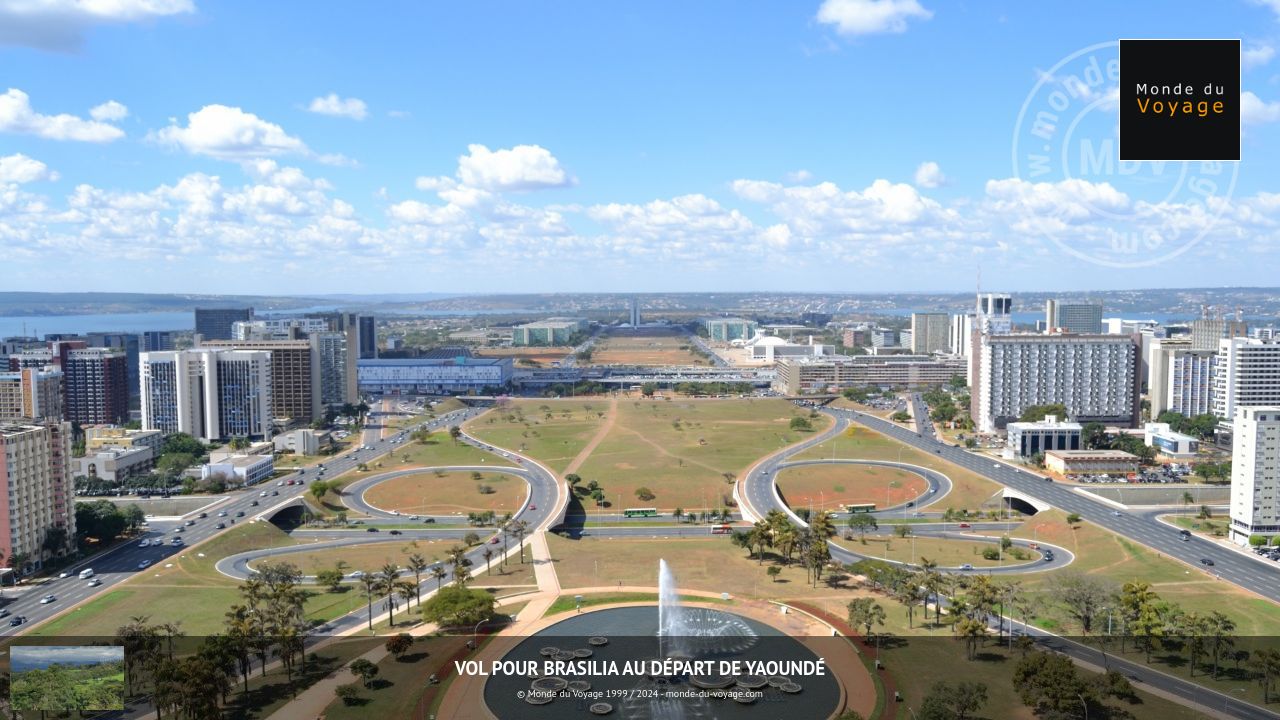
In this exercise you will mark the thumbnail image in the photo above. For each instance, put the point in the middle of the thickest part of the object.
(61, 678)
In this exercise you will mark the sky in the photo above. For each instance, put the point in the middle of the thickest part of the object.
(27, 657)
(812, 145)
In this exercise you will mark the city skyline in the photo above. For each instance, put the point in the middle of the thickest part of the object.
(734, 147)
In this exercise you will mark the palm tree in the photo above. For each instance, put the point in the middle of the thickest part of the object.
(417, 564)
(909, 594)
(519, 528)
(387, 578)
(370, 583)
(823, 523)
(407, 591)
(439, 573)
(488, 555)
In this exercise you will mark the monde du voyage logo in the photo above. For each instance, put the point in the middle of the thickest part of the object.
(1180, 100)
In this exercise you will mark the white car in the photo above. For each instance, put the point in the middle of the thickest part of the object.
(144, 564)
(47, 599)
(144, 543)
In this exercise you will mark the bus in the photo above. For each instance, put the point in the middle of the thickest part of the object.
(861, 508)
(721, 529)
(640, 512)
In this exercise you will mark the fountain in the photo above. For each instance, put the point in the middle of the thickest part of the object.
(673, 626)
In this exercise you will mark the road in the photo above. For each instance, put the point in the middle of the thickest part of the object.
(121, 563)
(702, 345)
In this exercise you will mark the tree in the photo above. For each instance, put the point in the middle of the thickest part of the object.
(865, 612)
(1093, 435)
(801, 424)
(455, 433)
(399, 644)
(573, 479)
(773, 571)
(331, 579)
(439, 573)
(901, 416)
(1220, 637)
(1051, 686)
(458, 607)
(1036, 413)
(823, 524)
(417, 564)
(1073, 518)
(1266, 663)
(348, 693)
(946, 701)
(182, 443)
(364, 670)
(1139, 606)
(862, 523)
(370, 583)
(320, 488)
(1082, 597)
(645, 494)
(518, 529)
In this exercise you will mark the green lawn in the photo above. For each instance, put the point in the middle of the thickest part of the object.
(552, 431)
(688, 451)
(970, 489)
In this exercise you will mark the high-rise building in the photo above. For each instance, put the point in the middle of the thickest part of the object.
(930, 333)
(31, 394)
(635, 312)
(1255, 473)
(1083, 318)
(36, 497)
(157, 341)
(330, 351)
(960, 334)
(348, 324)
(992, 315)
(215, 323)
(210, 393)
(1247, 375)
(295, 377)
(1180, 379)
(128, 343)
(95, 385)
(368, 337)
(556, 331)
(1094, 376)
(884, 337)
(281, 328)
(1206, 332)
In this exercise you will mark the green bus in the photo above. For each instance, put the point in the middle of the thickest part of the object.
(861, 508)
(640, 512)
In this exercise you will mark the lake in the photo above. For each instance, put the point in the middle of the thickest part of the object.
(39, 326)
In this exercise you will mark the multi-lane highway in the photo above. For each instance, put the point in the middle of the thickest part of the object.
(121, 563)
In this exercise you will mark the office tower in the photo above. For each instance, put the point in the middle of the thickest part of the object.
(1206, 332)
(209, 393)
(1094, 376)
(368, 337)
(31, 394)
(1083, 318)
(215, 323)
(884, 337)
(959, 334)
(1180, 379)
(1247, 375)
(37, 496)
(348, 324)
(96, 386)
(930, 333)
(635, 312)
(1255, 473)
(295, 377)
(992, 315)
(157, 341)
(330, 351)
(129, 344)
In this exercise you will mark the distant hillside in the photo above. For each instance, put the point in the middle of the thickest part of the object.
(39, 303)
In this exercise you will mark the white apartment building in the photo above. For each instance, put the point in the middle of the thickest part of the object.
(1094, 376)
(212, 394)
(1247, 375)
(37, 490)
(1180, 379)
(960, 334)
(1255, 473)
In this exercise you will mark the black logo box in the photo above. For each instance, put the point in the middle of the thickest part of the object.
(1187, 69)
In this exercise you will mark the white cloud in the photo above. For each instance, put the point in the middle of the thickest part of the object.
(1256, 56)
(333, 105)
(1274, 5)
(1065, 201)
(929, 175)
(20, 169)
(230, 133)
(523, 167)
(798, 176)
(1256, 111)
(868, 17)
(109, 111)
(60, 24)
(17, 116)
(420, 213)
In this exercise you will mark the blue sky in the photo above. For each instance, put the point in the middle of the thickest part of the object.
(853, 145)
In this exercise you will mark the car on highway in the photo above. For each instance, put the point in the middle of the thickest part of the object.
(262, 494)
(17, 620)
(203, 515)
(179, 529)
(144, 564)
(1117, 513)
(176, 542)
(95, 582)
(239, 513)
(532, 506)
(372, 529)
(279, 483)
(393, 532)
(495, 540)
(189, 523)
(1206, 562)
(964, 526)
(64, 574)
(253, 503)
(275, 493)
(966, 566)
(4, 613)
(222, 513)
(48, 599)
(220, 526)
(144, 543)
